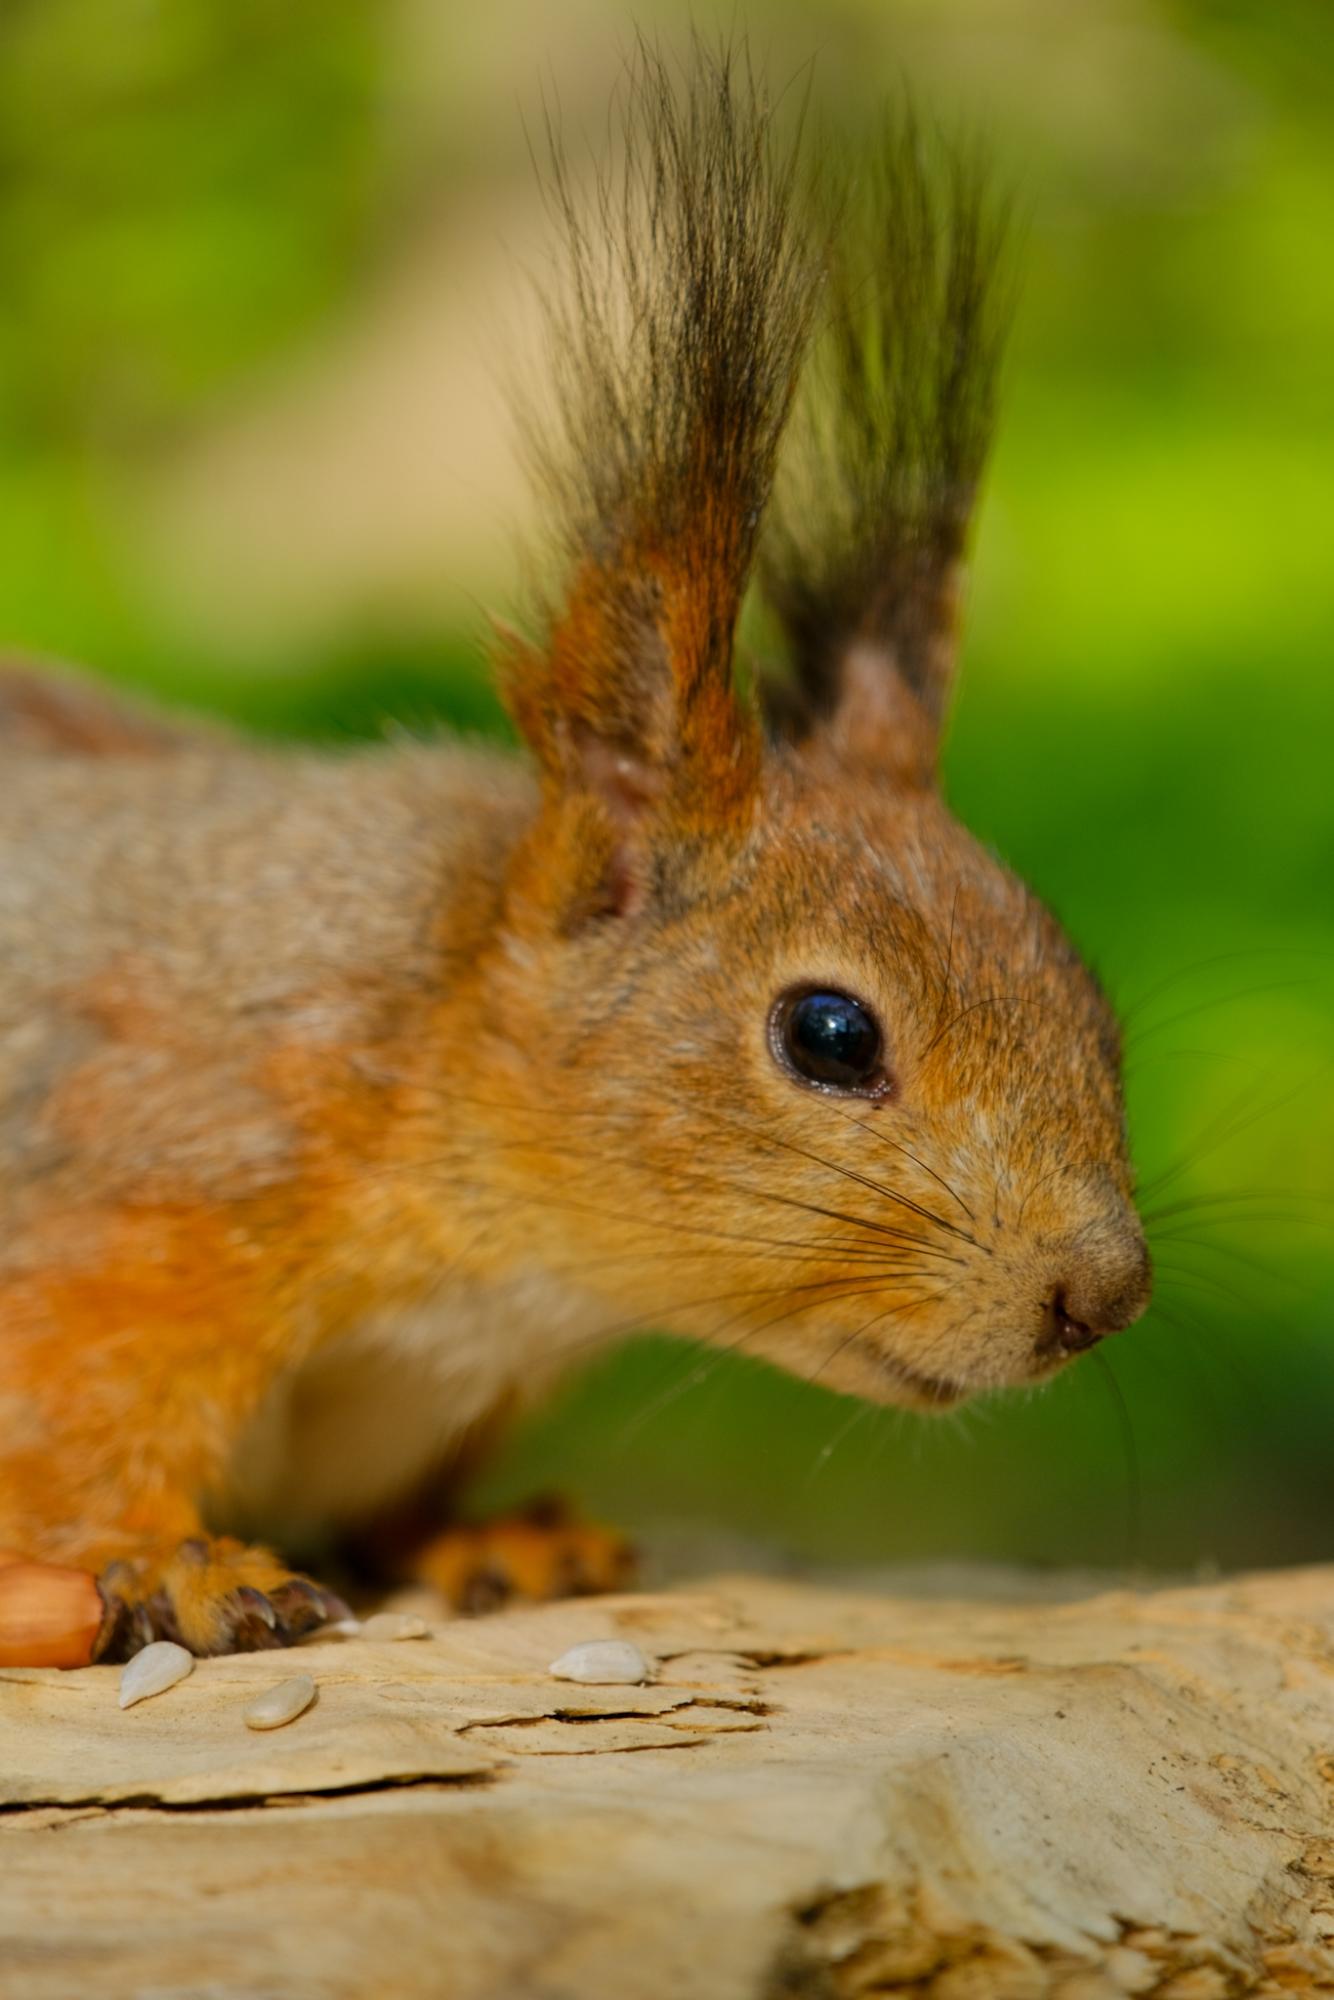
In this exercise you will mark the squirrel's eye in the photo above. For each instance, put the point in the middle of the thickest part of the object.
(831, 1040)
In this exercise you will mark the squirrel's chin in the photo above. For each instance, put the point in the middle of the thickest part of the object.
(929, 1396)
(913, 1389)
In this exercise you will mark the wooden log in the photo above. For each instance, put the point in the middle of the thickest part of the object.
(822, 1793)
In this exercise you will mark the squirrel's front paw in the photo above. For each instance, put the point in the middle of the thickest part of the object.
(213, 1596)
(540, 1552)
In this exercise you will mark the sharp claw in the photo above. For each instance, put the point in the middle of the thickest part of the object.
(255, 1604)
(115, 1631)
(303, 1605)
(251, 1620)
(249, 1635)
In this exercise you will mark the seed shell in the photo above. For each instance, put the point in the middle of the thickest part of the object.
(154, 1670)
(604, 1661)
(280, 1704)
(395, 1625)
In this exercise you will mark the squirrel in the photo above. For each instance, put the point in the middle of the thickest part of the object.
(349, 1097)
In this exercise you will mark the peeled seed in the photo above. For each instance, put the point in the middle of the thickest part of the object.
(395, 1625)
(49, 1616)
(281, 1703)
(153, 1671)
(601, 1660)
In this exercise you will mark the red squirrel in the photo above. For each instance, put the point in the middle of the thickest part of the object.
(349, 1098)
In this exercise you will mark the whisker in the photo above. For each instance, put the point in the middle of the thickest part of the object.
(720, 1350)
(850, 1173)
(1238, 1198)
(1133, 1008)
(949, 959)
(908, 1307)
(861, 1410)
(874, 1132)
(1215, 1000)
(715, 1183)
(1134, 1523)
(974, 1007)
(1228, 1125)
(505, 1199)
(1270, 1272)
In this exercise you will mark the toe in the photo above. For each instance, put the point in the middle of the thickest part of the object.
(301, 1606)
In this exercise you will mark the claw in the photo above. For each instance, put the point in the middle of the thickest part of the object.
(213, 1612)
(302, 1605)
(110, 1643)
(256, 1604)
(128, 1625)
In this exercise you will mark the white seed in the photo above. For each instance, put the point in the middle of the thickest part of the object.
(395, 1625)
(154, 1670)
(281, 1703)
(601, 1661)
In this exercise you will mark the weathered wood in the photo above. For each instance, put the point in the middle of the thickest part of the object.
(822, 1794)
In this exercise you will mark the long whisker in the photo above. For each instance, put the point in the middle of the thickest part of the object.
(564, 1203)
(861, 1410)
(714, 1182)
(908, 1307)
(1132, 1009)
(1242, 1114)
(874, 1132)
(1134, 1525)
(1240, 1198)
(1207, 1006)
(850, 1173)
(720, 1349)
(974, 1007)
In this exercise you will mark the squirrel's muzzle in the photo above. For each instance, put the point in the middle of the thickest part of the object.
(1095, 1296)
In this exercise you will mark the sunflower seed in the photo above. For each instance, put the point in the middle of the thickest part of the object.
(601, 1661)
(281, 1703)
(154, 1670)
(395, 1625)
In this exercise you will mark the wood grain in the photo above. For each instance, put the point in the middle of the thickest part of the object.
(823, 1793)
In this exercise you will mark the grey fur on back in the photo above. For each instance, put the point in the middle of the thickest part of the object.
(227, 901)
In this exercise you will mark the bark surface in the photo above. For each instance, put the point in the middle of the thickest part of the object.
(822, 1793)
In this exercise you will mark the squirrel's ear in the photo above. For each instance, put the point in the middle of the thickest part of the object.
(676, 340)
(864, 562)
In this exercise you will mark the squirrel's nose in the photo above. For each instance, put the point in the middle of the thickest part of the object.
(1090, 1303)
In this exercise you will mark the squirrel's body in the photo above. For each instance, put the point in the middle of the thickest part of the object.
(345, 1099)
(222, 968)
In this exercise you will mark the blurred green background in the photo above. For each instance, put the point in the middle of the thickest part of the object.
(257, 262)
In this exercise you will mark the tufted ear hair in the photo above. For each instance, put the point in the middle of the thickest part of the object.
(676, 338)
(864, 559)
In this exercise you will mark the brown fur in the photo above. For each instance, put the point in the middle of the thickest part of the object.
(344, 1101)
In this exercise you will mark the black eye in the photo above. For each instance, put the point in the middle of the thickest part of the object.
(831, 1040)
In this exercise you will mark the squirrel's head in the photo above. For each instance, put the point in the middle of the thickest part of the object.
(792, 1063)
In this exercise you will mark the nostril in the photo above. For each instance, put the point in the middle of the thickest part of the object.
(1064, 1331)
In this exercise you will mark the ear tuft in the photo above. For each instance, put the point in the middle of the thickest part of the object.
(863, 564)
(675, 340)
